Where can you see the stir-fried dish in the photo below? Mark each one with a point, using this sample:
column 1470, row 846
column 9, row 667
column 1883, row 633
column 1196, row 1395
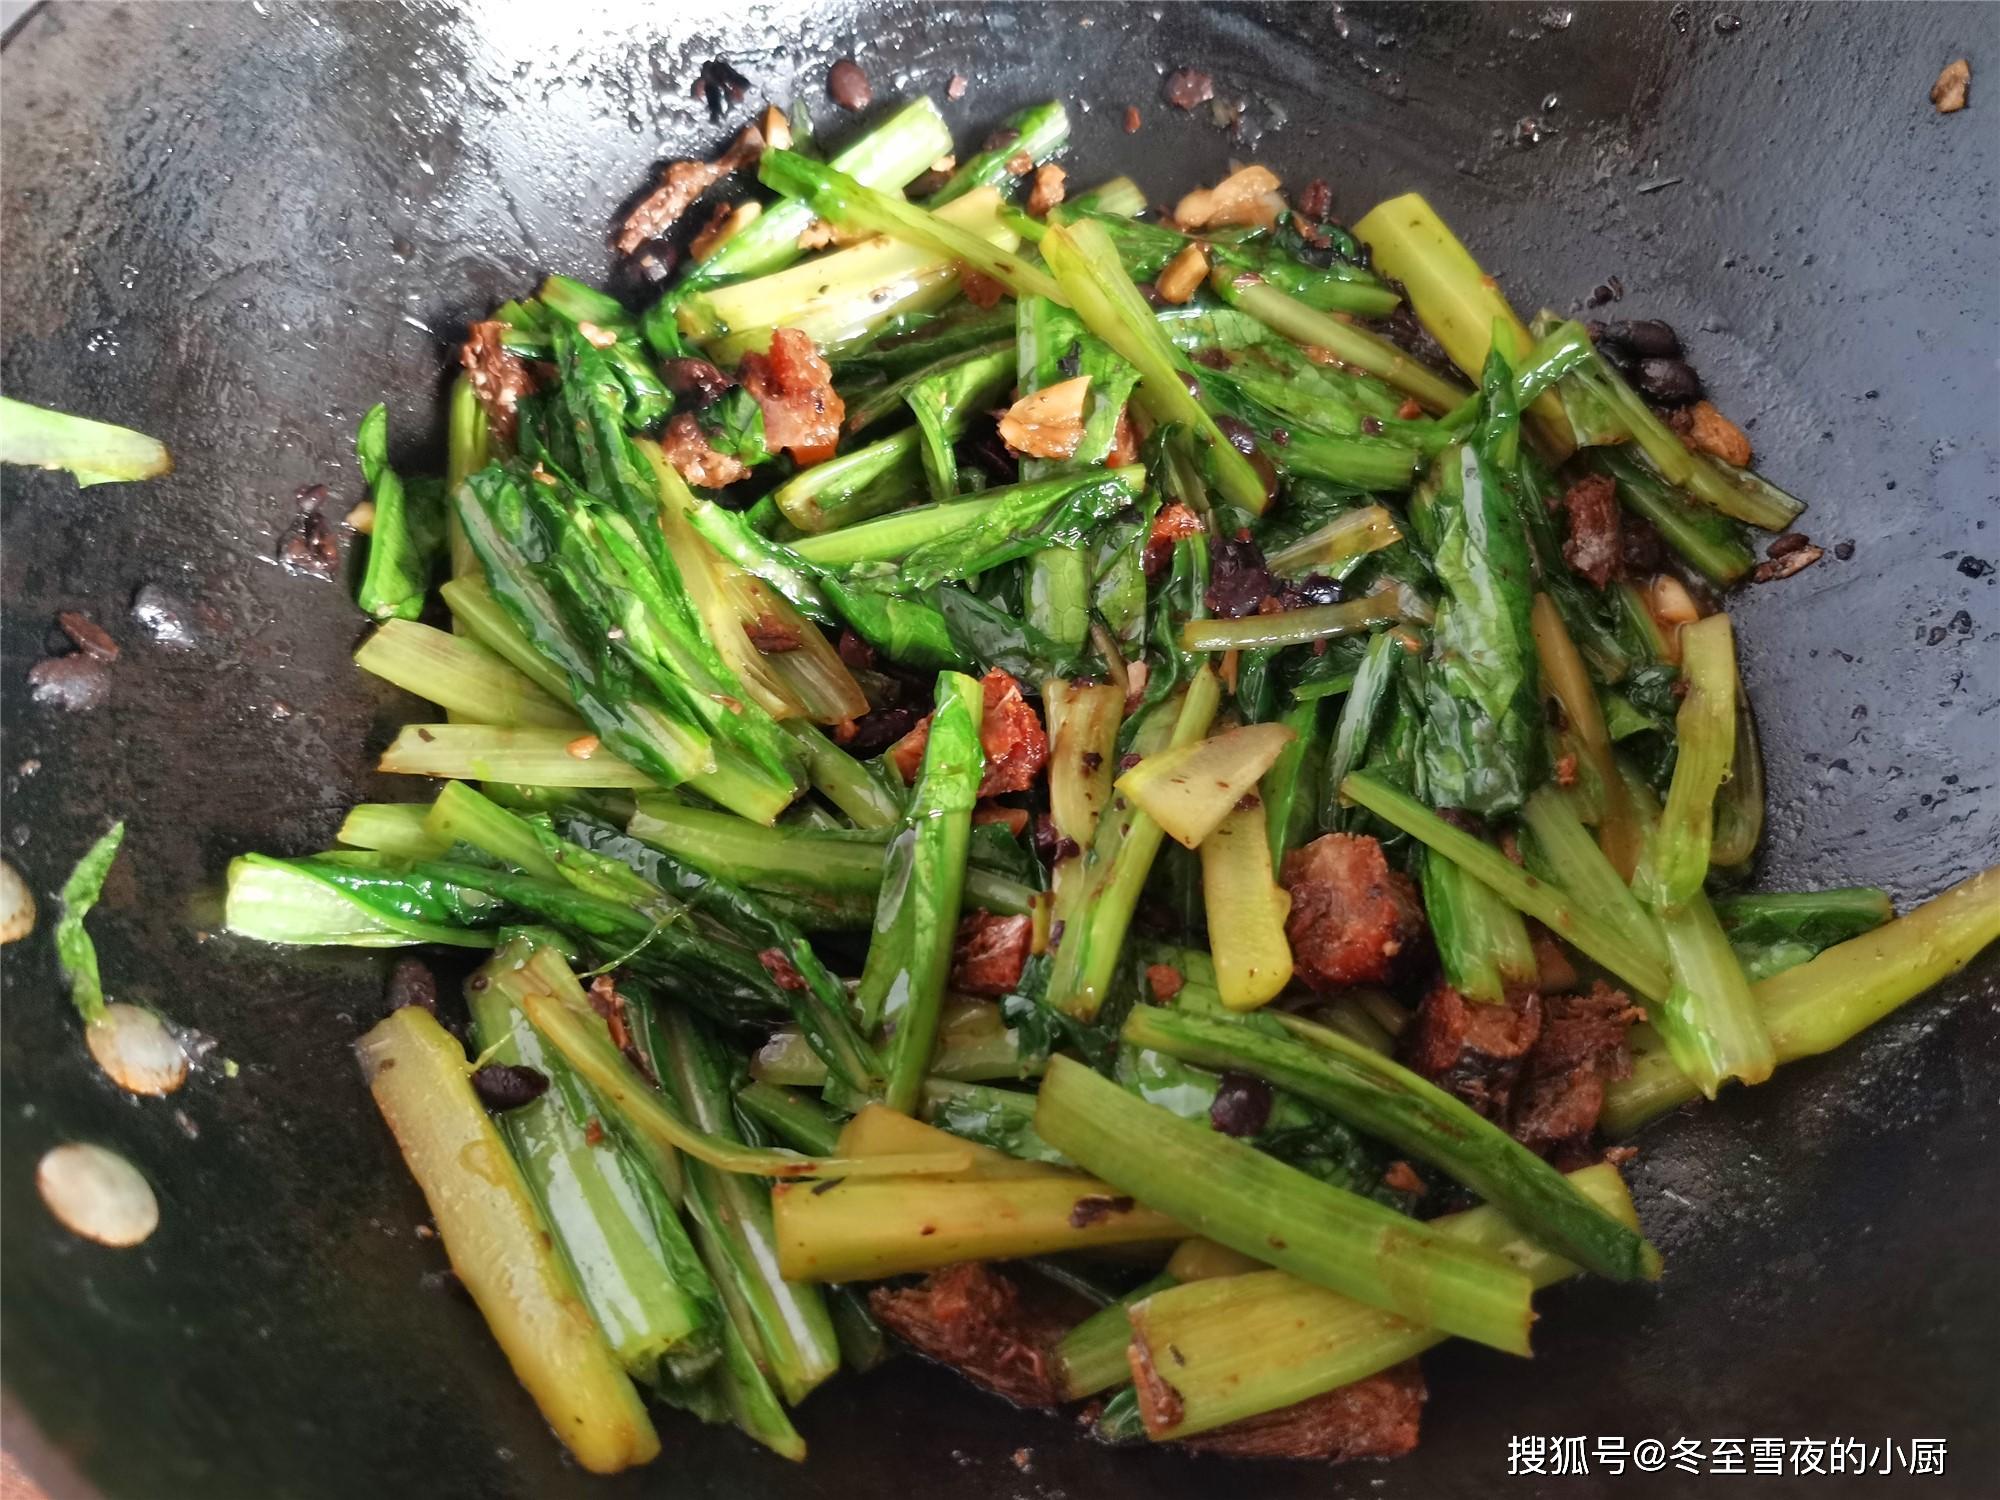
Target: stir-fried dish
column 1135, row 801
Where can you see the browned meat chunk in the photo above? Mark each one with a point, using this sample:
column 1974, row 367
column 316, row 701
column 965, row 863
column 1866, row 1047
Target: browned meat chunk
column 784, row 973
column 1593, row 548
column 1014, row 819
column 1046, row 191
column 975, row 1320
column 1351, row 914
column 991, row 953
column 499, row 379
column 1374, row 1418
column 1171, row 524
column 680, row 184
column 981, row 290
column 687, row 449
column 1475, row 1051
column 1011, row 734
column 1581, row 1048
column 794, row 386
column 773, row 636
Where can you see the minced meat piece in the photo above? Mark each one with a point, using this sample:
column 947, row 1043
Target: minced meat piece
column 499, row 379
column 981, row 290
column 794, row 386
column 1014, row 819
column 773, row 636
column 687, row 448
column 680, row 184
column 991, row 953
column 1171, row 524
column 1010, row 734
column 972, row 1318
column 1352, row 916
column 1475, row 1051
column 784, row 973
column 1594, row 549
column 1580, row 1049
column 1046, row 191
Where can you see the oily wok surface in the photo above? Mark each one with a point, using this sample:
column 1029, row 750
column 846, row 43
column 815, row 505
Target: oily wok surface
column 238, row 230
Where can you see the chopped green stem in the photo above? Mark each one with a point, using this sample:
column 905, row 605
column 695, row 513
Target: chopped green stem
column 844, row 781
column 1236, row 1195
column 407, row 533
column 561, row 1012
column 1352, row 533
column 1037, row 132
column 462, row 815
column 801, row 1121
column 1120, row 859
column 1704, row 539
column 460, row 676
column 397, row 828
column 1094, row 283
column 916, row 918
column 791, row 858
column 531, row 757
column 1292, row 627
column 1290, row 789
column 890, row 156
column 1386, row 1100
column 855, row 486
column 653, row 1300
column 1829, row 1000
column 1345, row 341
column 1710, row 1019
column 466, row 451
column 733, row 1215
column 478, row 613
column 833, row 195
column 1562, row 852
column 1091, row 1356
column 94, row 452
column 1705, row 728
column 500, row 1247
column 997, row 520
column 1481, row 940
column 1458, row 302
column 863, row 1231
column 1248, row 1344
column 1547, row 904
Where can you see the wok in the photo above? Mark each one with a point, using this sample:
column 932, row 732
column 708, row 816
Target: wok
column 236, row 227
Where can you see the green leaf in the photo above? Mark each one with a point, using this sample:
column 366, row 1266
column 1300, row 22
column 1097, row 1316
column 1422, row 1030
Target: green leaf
column 74, row 949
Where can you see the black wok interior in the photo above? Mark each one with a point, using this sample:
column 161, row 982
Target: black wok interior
column 237, row 227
